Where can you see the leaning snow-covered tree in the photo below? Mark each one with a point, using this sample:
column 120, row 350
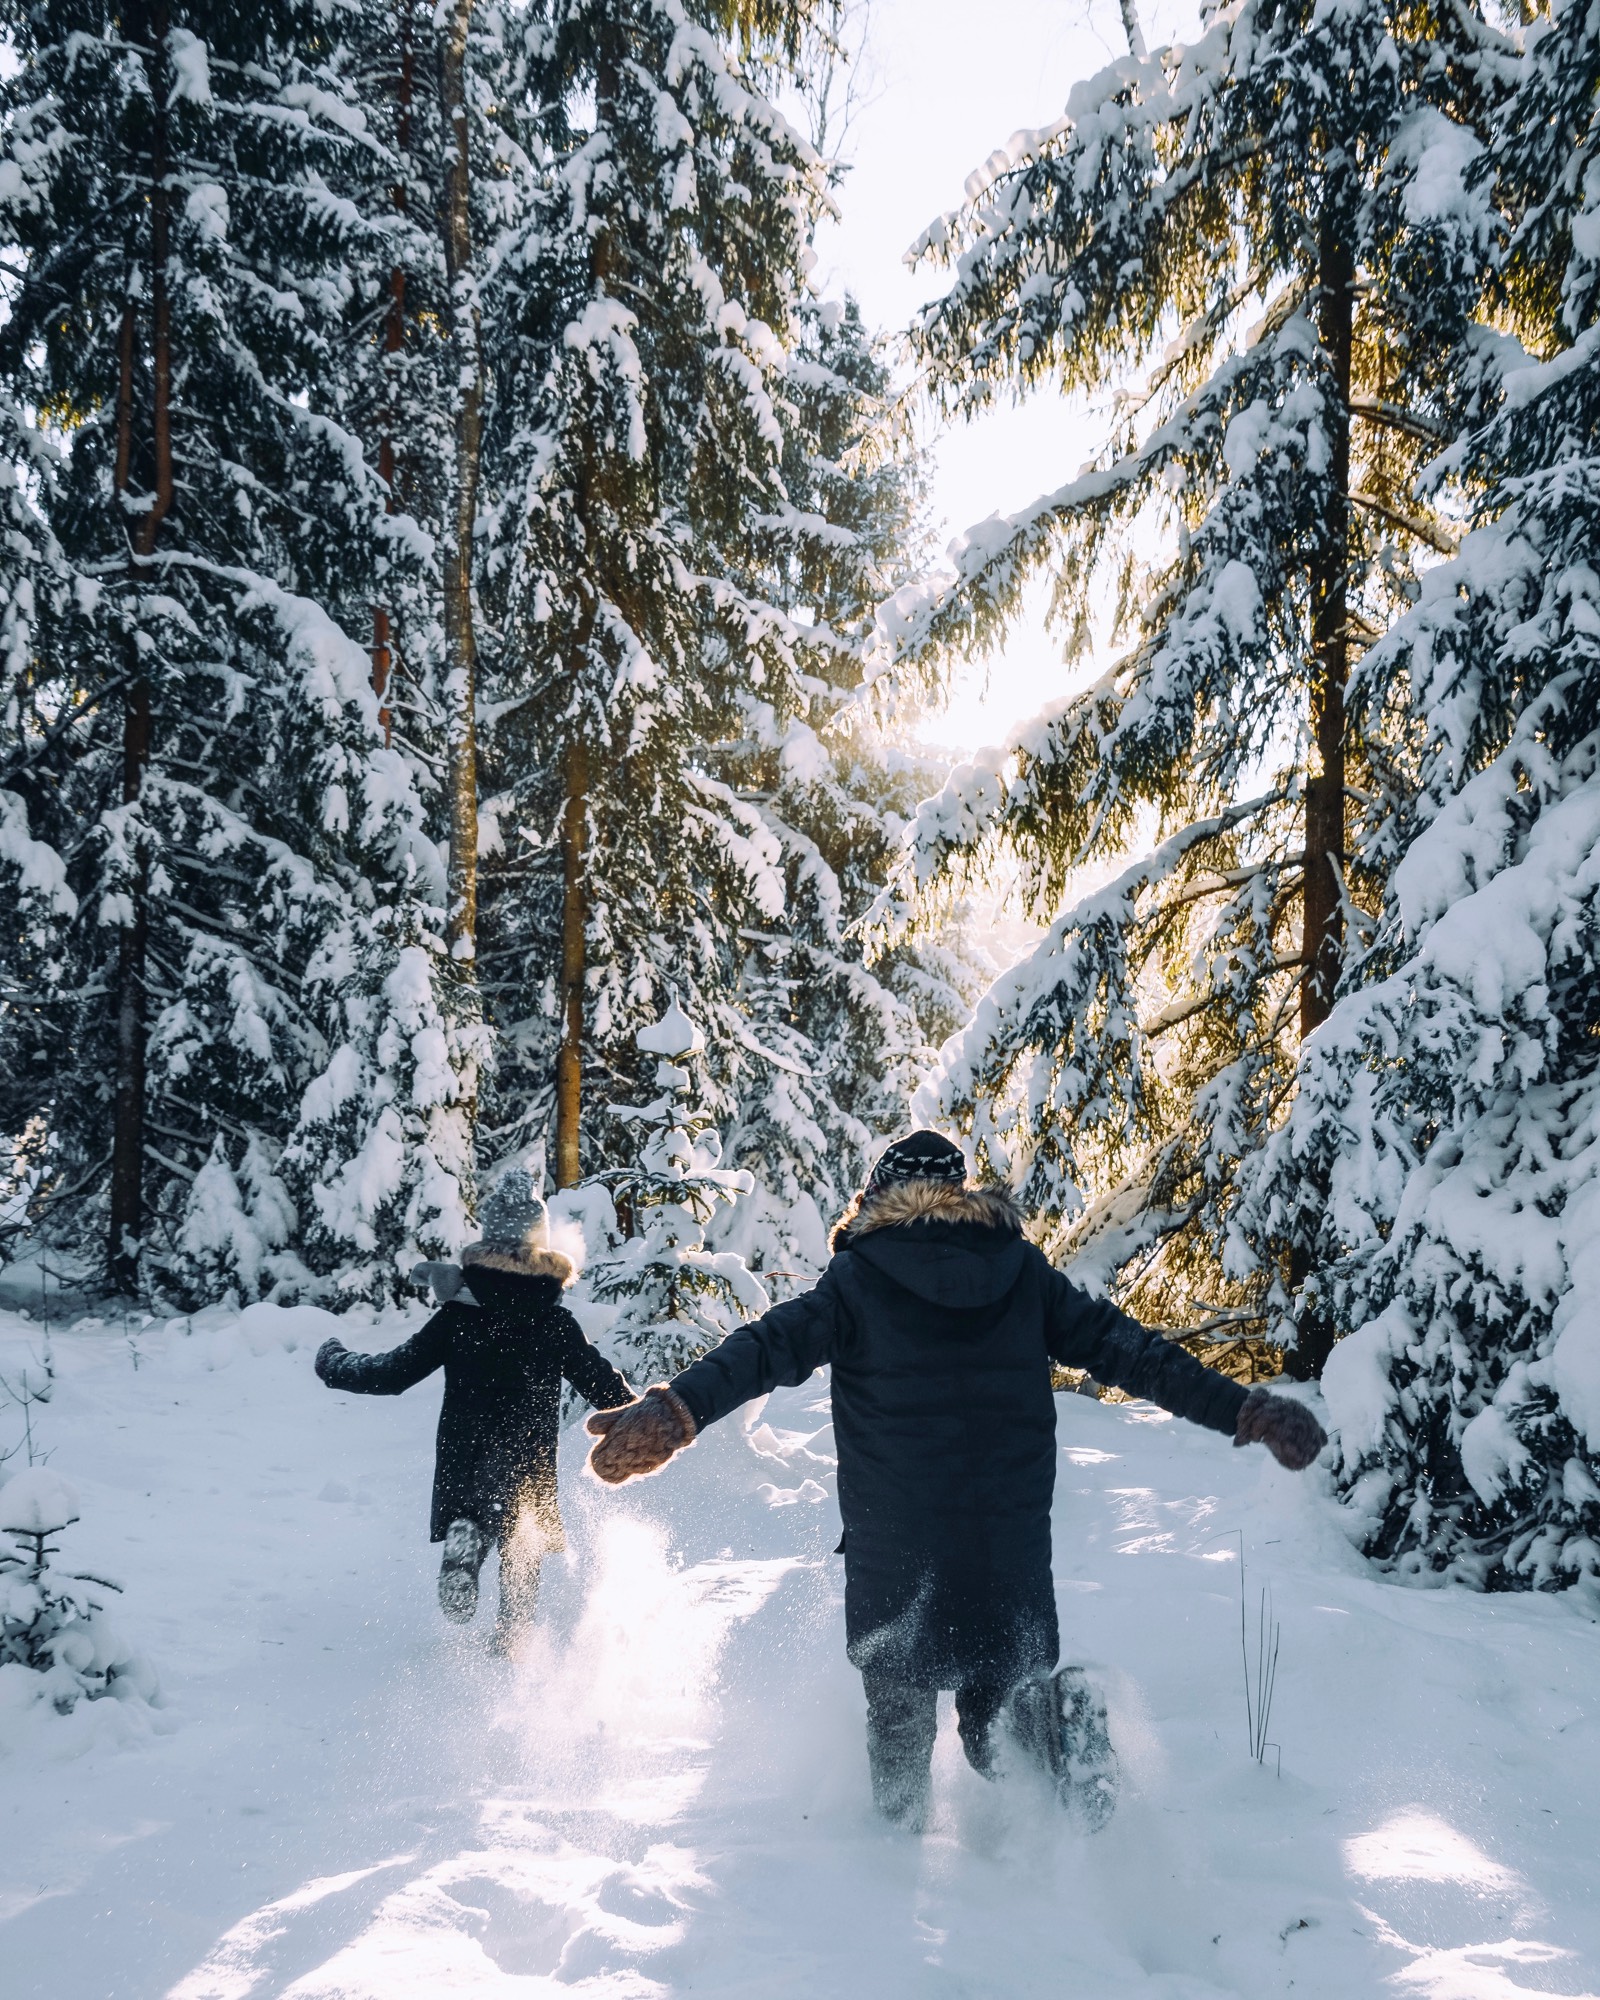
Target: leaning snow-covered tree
column 1452, row 1106
column 1285, row 228
column 204, row 751
column 678, row 1298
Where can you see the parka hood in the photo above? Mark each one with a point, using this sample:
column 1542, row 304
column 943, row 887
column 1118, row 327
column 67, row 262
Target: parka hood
column 521, row 1292
column 953, row 1246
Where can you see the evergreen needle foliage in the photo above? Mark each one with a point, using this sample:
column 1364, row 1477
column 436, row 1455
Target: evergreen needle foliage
column 454, row 567
column 424, row 459
column 1450, row 1104
column 1243, row 238
column 1316, row 1065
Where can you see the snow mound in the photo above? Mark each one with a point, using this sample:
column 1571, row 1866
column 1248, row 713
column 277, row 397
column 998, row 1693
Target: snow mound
column 673, row 1035
column 37, row 1502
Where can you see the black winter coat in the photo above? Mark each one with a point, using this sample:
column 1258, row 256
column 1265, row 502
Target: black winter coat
column 941, row 1323
column 504, row 1359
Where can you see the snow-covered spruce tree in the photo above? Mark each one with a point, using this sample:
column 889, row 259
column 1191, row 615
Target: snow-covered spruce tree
column 383, row 1155
column 207, row 759
column 1284, row 227
column 841, row 1044
column 637, row 330
column 1452, row 1107
column 678, row 1298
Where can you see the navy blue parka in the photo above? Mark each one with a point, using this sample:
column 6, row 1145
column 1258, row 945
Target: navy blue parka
column 940, row 1322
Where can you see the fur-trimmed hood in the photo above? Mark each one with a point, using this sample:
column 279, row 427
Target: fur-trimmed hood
column 899, row 1202
column 519, row 1263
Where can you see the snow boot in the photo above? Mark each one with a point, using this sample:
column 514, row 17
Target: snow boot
column 1059, row 1720
column 519, row 1595
column 465, row 1547
column 902, row 1722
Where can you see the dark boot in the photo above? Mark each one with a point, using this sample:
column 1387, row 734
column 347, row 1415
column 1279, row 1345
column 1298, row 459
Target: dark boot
column 465, row 1546
column 978, row 1705
column 902, row 1722
column 519, row 1588
column 1059, row 1722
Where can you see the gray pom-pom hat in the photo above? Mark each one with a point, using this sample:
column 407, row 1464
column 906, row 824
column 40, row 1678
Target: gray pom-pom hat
column 516, row 1232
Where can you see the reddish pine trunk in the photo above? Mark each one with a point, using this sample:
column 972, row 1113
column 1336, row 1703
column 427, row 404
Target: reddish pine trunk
column 1323, row 935
column 1322, row 939
column 575, row 818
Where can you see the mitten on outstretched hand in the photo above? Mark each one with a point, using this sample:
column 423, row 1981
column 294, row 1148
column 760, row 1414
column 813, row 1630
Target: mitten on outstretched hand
column 444, row 1281
column 641, row 1436
column 1287, row 1428
column 327, row 1354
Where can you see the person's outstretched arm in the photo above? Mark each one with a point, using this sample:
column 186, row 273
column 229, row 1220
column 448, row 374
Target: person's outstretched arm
column 393, row 1373
column 1091, row 1333
column 781, row 1349
column 587, row 1369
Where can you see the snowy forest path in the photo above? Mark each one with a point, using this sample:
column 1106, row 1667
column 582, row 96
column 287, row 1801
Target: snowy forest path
column 347, row 1800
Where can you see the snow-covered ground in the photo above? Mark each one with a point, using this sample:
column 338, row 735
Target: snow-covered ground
column 343, row 1797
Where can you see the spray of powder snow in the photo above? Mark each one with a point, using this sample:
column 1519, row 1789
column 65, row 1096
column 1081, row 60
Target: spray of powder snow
column 618, row 1715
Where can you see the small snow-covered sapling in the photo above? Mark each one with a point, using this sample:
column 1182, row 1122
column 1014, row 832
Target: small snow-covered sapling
column 677, row 1297
column 54, row 1630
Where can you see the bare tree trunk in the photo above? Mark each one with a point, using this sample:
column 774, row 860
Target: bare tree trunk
column 1323, row 934
column 1131, row 28
column 127, row 1131
column 460, row 649
column 128, row 1113
column 394, row 340
column 574, row 964
column 575, row 768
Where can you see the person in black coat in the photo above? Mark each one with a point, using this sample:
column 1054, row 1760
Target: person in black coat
column 941, row 1323
column 506, row 1343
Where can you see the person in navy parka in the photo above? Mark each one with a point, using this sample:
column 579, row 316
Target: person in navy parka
column 941, row 1323
column 506, row 1343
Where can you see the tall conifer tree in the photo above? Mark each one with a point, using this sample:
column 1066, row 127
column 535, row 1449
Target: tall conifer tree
column 1282, row 226
column 208, row 761
column 637, row 331
column 839, row 1045
column 1450, row 1104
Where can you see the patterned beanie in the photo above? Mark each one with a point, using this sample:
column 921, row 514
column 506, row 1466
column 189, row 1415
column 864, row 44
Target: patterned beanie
column 924, row 1156
column 514, row 1223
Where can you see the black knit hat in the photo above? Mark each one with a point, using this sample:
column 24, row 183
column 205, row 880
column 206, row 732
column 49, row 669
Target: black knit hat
column 924, row 1156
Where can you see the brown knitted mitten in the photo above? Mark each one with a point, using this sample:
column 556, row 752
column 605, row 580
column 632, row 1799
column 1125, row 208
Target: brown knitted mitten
column 641, row 1436
column 1287, row 1428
